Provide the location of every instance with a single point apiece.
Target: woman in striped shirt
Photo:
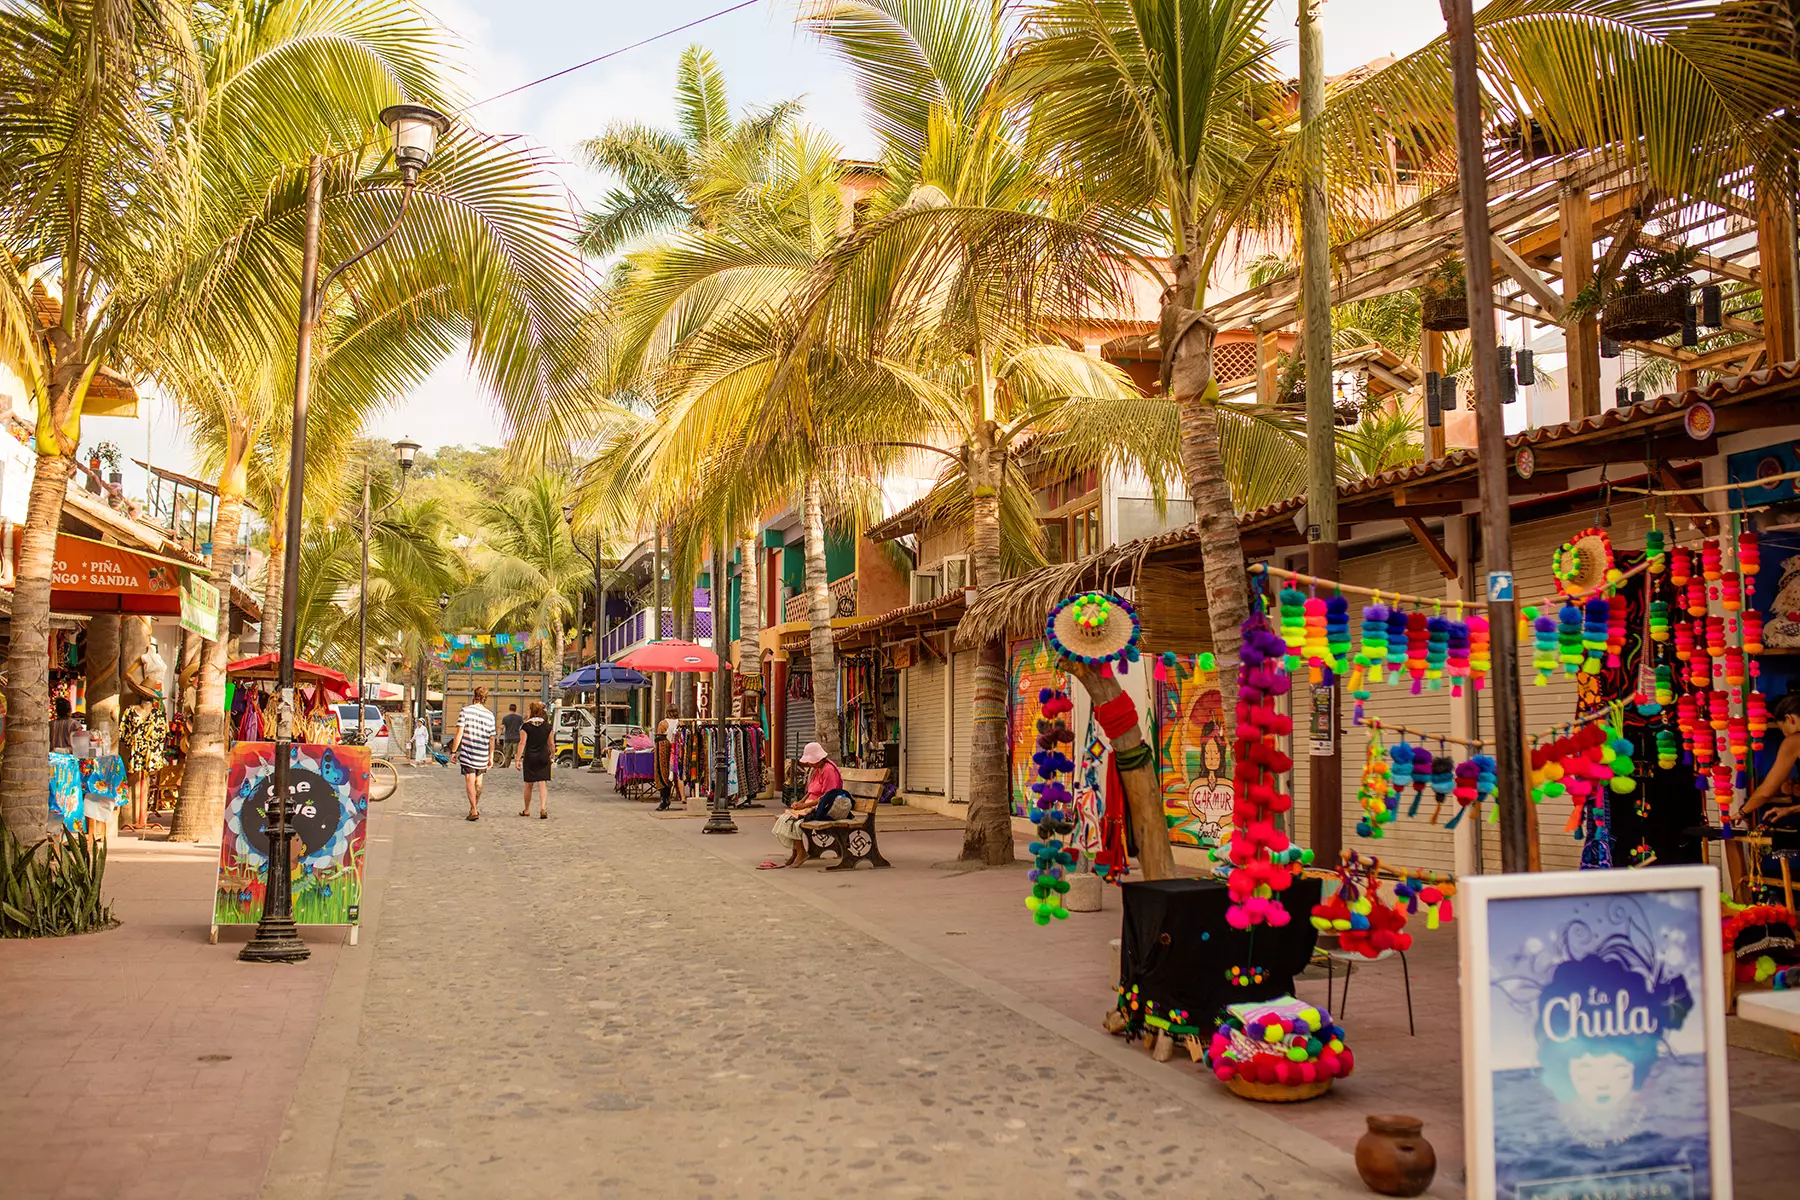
(474, 747)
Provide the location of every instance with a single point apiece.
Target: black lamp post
(416, 130)
(404, 450)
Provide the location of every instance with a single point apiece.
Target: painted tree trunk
(187, 676)
(1143, 796)
(685, 699)
(988, 835)
(268, 637)
(25, 771)
(1188, 341)
(818, 615)
(134, 641)
(200, 809)
(103, 676)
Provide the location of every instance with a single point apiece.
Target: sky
(504, 43)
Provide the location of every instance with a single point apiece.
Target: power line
(655, 37)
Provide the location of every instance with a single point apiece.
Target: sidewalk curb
(1333, 1166)
(301, 1165)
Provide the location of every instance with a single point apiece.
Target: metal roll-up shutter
(800, 723)
(923, 730)
(962, 718)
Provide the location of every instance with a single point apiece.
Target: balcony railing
(633, 631)
(843, 601)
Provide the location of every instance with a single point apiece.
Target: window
(955, 569)
(925, 586)
(1081, 534)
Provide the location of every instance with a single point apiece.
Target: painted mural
(332, 786)
(1031, 668)
(1193, 753)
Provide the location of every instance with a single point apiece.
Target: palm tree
(527, 573)
(192, 114)
(670, 179)
(973, 253)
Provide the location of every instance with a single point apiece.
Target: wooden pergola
(1558, 221)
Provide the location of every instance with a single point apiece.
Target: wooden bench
(853, 838)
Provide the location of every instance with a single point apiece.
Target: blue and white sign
(1594, 1036)
(1500, 585)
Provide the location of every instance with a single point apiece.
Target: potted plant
(108, 453)
(1651, 300)
(1444, 297)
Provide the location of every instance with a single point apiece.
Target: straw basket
(1278, 1093)
(1644, 316)
(1444, 314)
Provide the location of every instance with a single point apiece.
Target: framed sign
(1593, 1017)
(331, 788)
(1321, 723)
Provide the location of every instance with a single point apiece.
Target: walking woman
(535, 761)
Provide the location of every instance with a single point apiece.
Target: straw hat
(1581, 563)
(1093, 627)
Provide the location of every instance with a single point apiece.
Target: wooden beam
(1432, 345)
(1540, 484)
(1669, 481)
(1662, 445)
(1713, 359)
(1718, 266)
(1581, 337)
(1388, 377)
(1382, 508)
(1433, 548)
(1530, 280)
(1547, 239)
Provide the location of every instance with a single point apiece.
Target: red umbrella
(266, 666)
(671, 655)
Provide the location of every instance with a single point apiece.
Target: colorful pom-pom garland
(1051, 857)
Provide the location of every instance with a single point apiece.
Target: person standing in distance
(535, 762)
(509, 728)
(473, 747)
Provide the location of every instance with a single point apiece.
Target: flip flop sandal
(770, 866)
(543, 816)
(473, 817)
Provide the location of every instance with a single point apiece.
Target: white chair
(1335, 955)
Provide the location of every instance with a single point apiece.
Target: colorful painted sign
(1033, 668)
(1193, 754)
(199, 605)
(331, 784)
(1594, 1035)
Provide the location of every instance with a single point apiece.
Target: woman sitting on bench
(825, 800)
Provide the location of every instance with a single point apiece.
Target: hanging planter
(1645, 315)
(1444, 299)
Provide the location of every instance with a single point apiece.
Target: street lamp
(415, 130)
(404, 450)
(596, 766)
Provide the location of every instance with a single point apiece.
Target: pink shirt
(824, 778)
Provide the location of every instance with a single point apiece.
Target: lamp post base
(277, 940)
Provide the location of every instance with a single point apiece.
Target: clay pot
(1394, 1159)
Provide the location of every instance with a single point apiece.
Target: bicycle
(384, 777)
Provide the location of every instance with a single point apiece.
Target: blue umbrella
(601, 675)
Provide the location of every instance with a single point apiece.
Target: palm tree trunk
(750, 624)
(103, 676)
(25, 771)
(987, 835)
(201, 807)
(818, 614)
(1188, 341)
(658, 680)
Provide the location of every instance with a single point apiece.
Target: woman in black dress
(535, 761)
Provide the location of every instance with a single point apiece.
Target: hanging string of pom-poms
(1051, 858)
(1389, 772)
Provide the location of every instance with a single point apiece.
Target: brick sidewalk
(977, 918)
(143, 1062)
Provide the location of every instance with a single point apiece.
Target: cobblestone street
(595, 1006)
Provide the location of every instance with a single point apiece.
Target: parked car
(372, 722)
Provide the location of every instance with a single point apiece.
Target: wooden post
(1265, 379)
(1433, 352)
(1325, 790)
(1143, 798)
(1775, 251)
(1581, 335)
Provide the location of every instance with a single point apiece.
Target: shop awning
(99, 577)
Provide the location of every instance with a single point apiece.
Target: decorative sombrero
(1093, 627)
(1583, 563)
